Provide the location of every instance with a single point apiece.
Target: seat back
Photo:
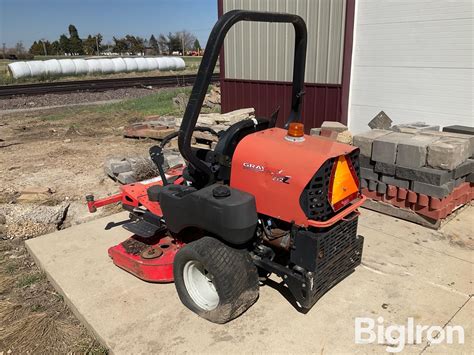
(229, 140)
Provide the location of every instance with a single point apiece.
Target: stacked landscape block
(416, 172)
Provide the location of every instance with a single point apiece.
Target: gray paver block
(448, 153)
(390, 180)
(459, 181)
(108, 164)
(433, 190)
(412, 152)
(334, 126)
(384, 168)
(364, 140)
(173, 160)
(464, 169)
(126, 177)
(381, 188)
(459, 129)
(425, 174)
(470, 178)
(363, 183)
(468, 137)
(372, 185)
(120, 167)
(366, 162)
(414, 127)
(381, 121)
(384, 148)
(315, 132)
(368, 174)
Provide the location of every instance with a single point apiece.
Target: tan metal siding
(262, 51)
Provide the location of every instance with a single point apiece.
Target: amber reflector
(344, 185)
(296, 129)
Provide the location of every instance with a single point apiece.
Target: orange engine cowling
(287, 176)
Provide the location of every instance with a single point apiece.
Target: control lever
(156, 155)
(274, 117)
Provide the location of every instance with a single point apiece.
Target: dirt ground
(64, 157)
(29, 102)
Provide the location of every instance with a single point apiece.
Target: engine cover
(276, 170)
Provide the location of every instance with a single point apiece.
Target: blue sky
(29, 20)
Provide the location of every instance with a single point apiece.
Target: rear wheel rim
(200, 286)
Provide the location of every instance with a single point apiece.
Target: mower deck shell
(278, 174)
(159, 269)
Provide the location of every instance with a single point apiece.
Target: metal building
(257, 61)
(412, 59)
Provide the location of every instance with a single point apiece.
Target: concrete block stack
(333, 130)
(417, 168)
(127, 170)
(158, 127)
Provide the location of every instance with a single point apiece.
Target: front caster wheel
(215, 281)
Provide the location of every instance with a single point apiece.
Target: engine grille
(330, 255)
(314, 198)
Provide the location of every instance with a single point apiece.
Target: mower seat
(229, 139)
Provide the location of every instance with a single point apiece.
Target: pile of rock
(28, 220)
(127, 170)
(213, 99)
(417, 168)
(155, 127)
(218, 122)
(333, 130)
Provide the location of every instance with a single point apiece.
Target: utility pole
(97, 43)
(44, 47)
(182, 39)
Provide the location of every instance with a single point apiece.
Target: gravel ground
(28, 102)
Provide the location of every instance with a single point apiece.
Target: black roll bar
(208, 63)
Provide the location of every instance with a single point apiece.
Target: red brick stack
(428, 206)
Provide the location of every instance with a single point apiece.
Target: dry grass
(145, 169)
(33, 318)
(40, 332)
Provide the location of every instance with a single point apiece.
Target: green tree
(135, 44)
(98, 39)
(197, 45)
(153, 43)
(120, 45)
(55, 48)
(36, 48)
(75, 41)
(89, 45)
(64, 44)
(164, 44)
(174, 42)
(19, 48)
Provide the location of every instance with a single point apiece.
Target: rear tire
(215, 281)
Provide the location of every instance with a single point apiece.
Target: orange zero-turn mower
(265, 201)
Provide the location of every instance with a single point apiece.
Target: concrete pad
(465, 317)
(401, 276)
